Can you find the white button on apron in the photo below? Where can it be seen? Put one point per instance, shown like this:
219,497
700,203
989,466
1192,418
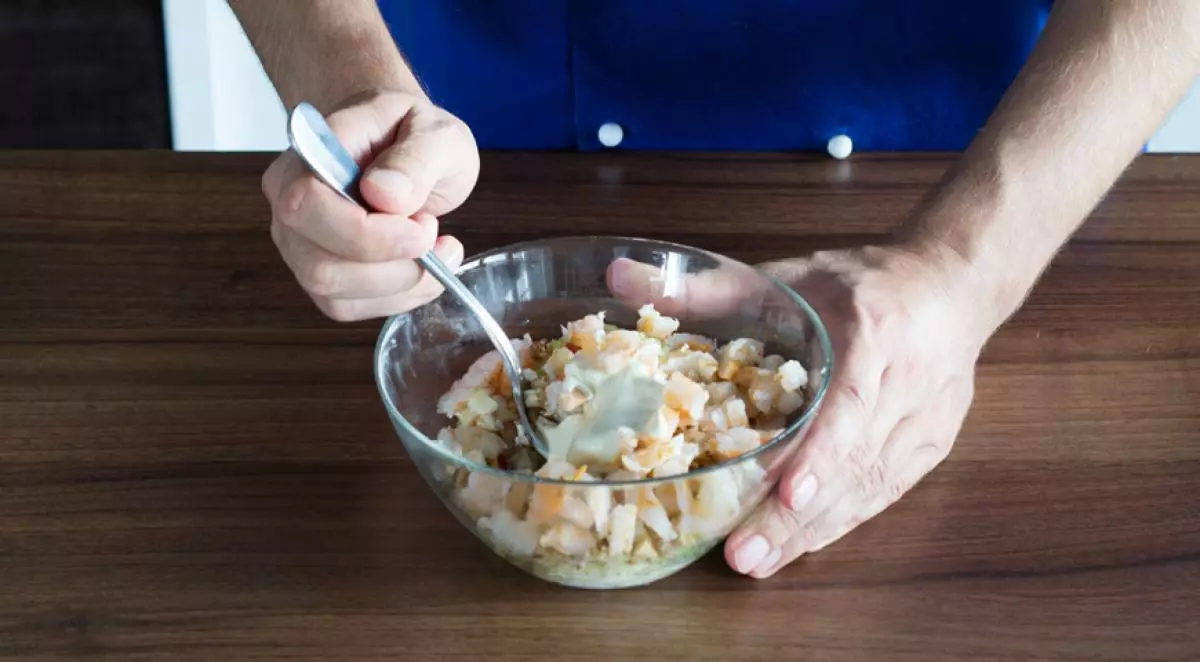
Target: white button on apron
840,146
610,134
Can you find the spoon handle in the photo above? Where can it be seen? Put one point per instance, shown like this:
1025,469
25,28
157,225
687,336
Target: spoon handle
316,144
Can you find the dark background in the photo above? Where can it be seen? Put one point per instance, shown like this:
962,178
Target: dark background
83,74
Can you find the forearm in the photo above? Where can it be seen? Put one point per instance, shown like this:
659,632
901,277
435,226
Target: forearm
324,51
1103,77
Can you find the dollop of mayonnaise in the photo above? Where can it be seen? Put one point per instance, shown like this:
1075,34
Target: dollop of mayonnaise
618,406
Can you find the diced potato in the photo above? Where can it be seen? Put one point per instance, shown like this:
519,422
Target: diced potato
737,354
789,401
655,518
599,501
735,441
735,413
517,499
652,323
557,361
484,494
511,534
691,341
487,443
719,392
576,511
697,366
771,362
568,539
685,396
587,333
792,376
622,529
645,551
663,426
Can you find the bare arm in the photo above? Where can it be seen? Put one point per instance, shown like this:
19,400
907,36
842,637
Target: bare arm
324,51
1103,77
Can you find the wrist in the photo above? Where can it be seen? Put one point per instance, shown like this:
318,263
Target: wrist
355,60
367,94
988,289
348,91
987,232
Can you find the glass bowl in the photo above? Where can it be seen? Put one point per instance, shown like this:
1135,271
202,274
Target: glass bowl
534,289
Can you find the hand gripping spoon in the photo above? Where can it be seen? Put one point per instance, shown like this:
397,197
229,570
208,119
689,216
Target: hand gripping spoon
313,140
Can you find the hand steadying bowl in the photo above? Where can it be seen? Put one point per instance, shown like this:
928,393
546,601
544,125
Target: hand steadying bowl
534,288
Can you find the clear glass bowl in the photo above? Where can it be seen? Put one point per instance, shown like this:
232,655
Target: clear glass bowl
534,288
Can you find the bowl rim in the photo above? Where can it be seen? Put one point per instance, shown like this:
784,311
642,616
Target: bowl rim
811,407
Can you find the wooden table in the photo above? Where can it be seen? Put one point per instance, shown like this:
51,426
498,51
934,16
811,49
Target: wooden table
194,465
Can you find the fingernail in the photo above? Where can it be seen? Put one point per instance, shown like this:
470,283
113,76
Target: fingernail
453,250
765,565
751,553
395,183
803,493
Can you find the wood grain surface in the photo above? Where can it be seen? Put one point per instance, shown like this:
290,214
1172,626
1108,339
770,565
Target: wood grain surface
194,464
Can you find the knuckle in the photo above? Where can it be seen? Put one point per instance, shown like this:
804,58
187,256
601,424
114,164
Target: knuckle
818,458
277,235
859,455
779,525
938,454
288,209
896,489
265,184
417,162
811,534
461,132
337,310
856,396
363,241
869,479
321,277
425,293
269,183
359,227
827,537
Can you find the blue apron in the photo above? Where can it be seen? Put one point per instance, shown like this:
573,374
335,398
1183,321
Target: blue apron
756,75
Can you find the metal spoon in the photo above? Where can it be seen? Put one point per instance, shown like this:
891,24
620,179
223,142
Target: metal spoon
313,140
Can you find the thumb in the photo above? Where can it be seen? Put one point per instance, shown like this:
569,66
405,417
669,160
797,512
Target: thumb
724,289
431,167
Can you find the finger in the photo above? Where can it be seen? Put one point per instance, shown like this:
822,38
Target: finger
364,128
898,386
864,475
431,154
366,123
324,274
922,442
911,450
917,464
812,482
856,498
314,211
840,429
427,289
862,480
773,536
903,460
723,290
842,517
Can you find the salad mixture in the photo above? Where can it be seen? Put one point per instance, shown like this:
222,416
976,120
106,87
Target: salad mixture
618,405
